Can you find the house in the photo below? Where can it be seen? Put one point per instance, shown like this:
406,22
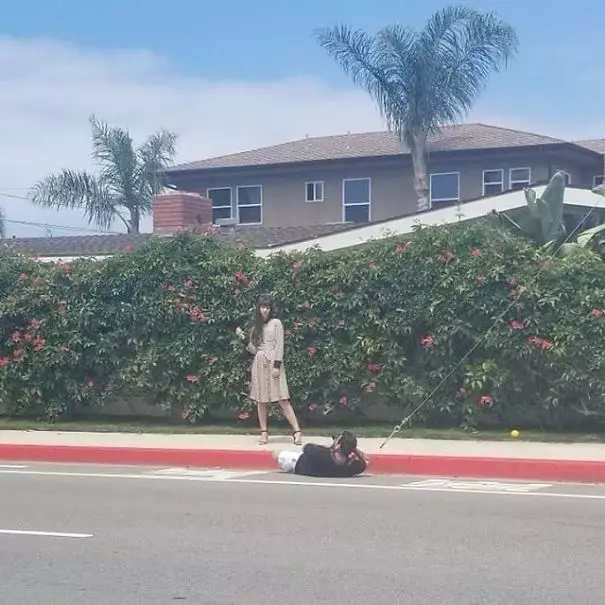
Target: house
367,178
189,211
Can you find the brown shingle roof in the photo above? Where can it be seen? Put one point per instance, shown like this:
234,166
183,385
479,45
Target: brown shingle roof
100,245
372,144
597,145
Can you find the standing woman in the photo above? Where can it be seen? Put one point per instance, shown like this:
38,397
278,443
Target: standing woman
269,384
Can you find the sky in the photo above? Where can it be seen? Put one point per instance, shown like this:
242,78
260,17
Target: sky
239,74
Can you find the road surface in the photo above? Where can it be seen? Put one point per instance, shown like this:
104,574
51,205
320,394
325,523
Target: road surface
82,535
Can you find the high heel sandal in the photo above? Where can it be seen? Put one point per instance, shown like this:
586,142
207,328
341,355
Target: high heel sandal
297,439
264,437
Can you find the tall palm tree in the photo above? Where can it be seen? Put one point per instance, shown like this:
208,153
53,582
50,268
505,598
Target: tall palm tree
424,80
128,179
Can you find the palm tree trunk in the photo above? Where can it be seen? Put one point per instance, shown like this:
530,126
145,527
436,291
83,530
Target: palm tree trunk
417,146
134,222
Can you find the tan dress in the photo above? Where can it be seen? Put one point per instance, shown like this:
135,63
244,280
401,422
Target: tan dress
264,387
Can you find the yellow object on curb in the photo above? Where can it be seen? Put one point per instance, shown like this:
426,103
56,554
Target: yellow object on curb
514,433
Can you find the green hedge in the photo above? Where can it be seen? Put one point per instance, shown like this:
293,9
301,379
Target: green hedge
385,323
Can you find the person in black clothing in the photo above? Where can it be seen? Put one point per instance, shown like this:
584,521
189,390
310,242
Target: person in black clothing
341,459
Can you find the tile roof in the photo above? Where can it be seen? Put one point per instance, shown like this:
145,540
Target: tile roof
597,145
100,245
371,144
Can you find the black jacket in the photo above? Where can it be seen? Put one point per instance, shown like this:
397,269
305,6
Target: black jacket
318,461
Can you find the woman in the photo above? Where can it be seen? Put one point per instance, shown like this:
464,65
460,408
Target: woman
269,384
341,459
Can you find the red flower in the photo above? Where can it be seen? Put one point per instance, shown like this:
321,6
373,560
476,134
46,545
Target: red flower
312,407
540,342
446,257
475,252
427,341
240,278
486,400
297,264
39,343
402,248
343,401
18,354
374,367
597,312
243,416
515,324
3,362
192,378
311,350
196,315
16,336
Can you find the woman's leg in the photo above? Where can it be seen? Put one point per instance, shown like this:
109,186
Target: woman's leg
290,415
262,422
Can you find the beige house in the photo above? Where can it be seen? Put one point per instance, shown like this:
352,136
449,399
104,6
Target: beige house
367,178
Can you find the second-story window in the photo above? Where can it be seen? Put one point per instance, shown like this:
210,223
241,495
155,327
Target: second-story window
250,204
493,182
314,191
356,200
221,203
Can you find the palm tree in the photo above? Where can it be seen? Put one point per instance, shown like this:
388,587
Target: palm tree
424,80
128,179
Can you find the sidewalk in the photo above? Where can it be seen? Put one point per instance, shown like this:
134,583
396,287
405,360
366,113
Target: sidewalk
580,462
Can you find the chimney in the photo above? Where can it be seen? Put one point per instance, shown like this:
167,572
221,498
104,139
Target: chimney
181,211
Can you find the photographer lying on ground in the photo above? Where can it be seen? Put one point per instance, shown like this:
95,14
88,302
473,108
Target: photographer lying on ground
341,459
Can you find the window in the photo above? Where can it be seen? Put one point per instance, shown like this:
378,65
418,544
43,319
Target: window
493,182
444,188
315,191
221,203
565,174
519,178
250,205
356,200
598,180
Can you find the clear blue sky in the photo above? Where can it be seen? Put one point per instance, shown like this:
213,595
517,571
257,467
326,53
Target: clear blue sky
269,39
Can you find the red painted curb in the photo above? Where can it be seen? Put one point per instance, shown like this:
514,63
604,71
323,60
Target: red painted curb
580,471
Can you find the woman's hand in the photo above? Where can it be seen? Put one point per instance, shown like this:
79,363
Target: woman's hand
275,373
240,333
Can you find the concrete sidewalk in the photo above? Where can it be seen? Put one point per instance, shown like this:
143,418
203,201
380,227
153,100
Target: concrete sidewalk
514,459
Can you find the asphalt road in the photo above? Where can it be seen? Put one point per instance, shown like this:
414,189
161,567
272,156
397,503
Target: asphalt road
147,538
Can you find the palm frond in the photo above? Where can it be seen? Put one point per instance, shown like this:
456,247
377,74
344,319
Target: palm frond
71,189
154,155
362,58
113,149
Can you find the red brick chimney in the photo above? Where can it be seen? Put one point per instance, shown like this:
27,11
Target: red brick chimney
181,211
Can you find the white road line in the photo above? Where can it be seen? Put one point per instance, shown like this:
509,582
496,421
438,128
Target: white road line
374,486
48,534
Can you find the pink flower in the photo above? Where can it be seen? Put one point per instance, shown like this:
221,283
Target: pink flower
374,368
34,324
402,248
4,362
462,391
372,265
27,337
481,279
446,257
311,350
475,252
170,288
196,314
90,384
343,401
297,264
597,312
188,284
368,388
427,341
241,278
192,378
515,324
64,348
540,342
312,407
22,276
18,354
306,305
486,400
341,322
243,416
39,343
16,336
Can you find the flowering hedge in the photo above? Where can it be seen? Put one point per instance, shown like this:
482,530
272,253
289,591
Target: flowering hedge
505,334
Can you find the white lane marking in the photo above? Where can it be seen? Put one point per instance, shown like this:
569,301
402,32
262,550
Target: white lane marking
375,486
13,466
218,474
48,534
493,486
